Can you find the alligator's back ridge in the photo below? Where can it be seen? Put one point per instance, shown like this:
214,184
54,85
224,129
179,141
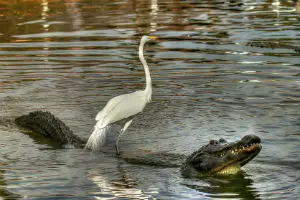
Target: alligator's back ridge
50,126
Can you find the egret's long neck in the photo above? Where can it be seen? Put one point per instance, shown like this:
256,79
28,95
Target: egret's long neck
148,89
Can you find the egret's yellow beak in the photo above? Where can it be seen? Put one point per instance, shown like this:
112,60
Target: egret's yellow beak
152,37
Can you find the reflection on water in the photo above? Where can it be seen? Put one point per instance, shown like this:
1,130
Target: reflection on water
5,193
219,69
233,186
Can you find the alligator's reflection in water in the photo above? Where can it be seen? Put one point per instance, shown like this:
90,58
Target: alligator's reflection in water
133,181
234,186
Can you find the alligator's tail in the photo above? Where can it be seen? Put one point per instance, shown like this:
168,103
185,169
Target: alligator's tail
97,138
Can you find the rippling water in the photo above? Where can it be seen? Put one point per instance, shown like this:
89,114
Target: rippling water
70,57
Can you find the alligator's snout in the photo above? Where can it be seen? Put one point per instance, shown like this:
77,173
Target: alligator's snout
251,139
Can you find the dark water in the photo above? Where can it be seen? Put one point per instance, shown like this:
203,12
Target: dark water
70,57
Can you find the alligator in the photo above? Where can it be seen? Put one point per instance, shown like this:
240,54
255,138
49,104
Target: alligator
218,157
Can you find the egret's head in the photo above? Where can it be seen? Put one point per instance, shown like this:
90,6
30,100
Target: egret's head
146,38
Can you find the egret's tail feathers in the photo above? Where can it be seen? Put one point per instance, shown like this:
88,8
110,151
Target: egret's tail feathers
97,139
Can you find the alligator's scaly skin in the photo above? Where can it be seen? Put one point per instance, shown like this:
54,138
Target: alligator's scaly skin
50,126
145,157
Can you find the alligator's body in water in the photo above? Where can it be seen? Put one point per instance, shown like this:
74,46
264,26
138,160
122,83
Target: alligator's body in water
217,157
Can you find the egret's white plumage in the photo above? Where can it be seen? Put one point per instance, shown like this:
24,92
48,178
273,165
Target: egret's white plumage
121,107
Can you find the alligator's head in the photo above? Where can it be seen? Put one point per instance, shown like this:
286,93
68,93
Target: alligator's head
221,157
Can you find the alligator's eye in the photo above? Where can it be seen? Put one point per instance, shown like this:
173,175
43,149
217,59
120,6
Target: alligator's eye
222,140
213,142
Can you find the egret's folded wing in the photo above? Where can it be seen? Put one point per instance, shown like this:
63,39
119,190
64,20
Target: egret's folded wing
109,106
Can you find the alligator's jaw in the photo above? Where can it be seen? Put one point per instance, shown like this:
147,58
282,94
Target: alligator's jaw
232,169
220,157
235,158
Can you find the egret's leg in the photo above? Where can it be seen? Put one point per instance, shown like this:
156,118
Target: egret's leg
127,124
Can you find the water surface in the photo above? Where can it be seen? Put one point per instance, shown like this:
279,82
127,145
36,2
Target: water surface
70,57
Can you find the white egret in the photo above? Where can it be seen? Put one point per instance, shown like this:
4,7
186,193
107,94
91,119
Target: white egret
122,107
